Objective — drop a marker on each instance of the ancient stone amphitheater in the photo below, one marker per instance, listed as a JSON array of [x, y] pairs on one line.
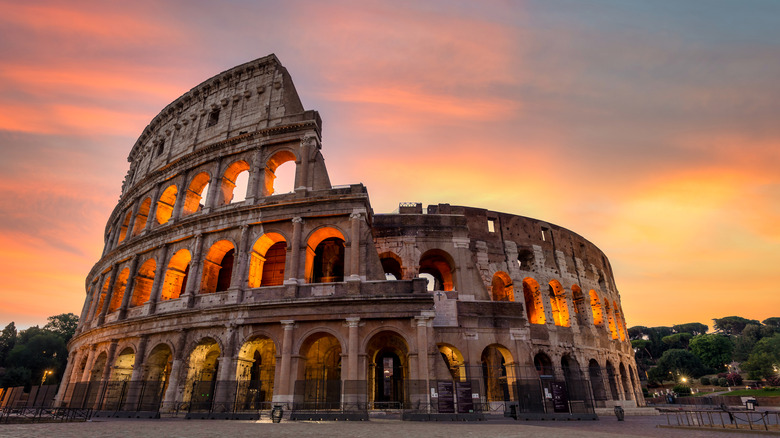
[[217, 295]]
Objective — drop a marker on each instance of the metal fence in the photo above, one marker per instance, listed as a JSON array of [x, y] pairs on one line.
[[724, 419]]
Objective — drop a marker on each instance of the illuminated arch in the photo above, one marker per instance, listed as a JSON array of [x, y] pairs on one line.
[[534, 306], [165, 204], [612, 328], [325, 256], [558, 304], [144, 279], [440, 265], [454, 361], [497, 373], [202, 370], [123, 228], [196, 193], [501, 287], [123, 365], [255, 371], [156, 375], [321, 371], [267, 260], [119, 290], [271, 166], [595, 307], [142, 216], [618, 321], [176, 275], [387, 355], [218, 267], [228, 183]]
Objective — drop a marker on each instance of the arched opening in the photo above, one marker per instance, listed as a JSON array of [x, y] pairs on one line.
[[230, 182], [176, 275], [119, 290], [266, 262], [502, 288], [144, 279], [619, 324], [596, 381], [123, 228], [525, 259], [195, 197], [497, 373], [611, 378], [579, 305], [454, 361], [544, 366], [388, 368], [98, 368], [625, 380], [101, 299], [157, 374], [611, 321], [279, 174], [218, 267], [319, 380], [325, 256], [123, 365], [391, 264], [142, 216], [633, 377], [166, 203], [202, 374], [255, 373], [575, 382], [439, 265], [558, 304], [534, 306], [595, 307]]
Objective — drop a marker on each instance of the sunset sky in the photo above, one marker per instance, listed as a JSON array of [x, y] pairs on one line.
[[651, 128]]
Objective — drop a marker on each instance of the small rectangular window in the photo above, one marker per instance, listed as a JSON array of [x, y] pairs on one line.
[[492, 225], [544, 234], [213, 118]]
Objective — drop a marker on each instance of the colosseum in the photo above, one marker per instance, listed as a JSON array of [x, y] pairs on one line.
[[219, 296]]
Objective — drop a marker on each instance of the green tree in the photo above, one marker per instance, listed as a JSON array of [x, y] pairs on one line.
[[714, 350], [677, 340], [41, 352], [773, 322], [732, 325], [765, 356], [7, 342], [676, 362], [63, 324], [694, 328]]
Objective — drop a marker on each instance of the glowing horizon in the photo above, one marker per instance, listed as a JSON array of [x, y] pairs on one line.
[[649, 130]]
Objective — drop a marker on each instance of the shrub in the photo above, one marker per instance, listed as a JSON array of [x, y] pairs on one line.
[[773, 381], [682, 389], [723, 375], [705, 380], [645, 393], [734, 379], [723, 382]]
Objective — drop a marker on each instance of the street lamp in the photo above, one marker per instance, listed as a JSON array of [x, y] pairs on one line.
[[46, 374]]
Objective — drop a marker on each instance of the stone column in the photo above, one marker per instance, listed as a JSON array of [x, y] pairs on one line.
[[302, 179], [136, 378], [255, 176], [181, 194], [296, 251], [284, 393], [240, 261], [150, 220], [90, 363], [193, 280], [133, 216], [352, 349], [95, 299], [422, 352], [159, 279], [128, 288], [110, 360], [169, 399], [66, 378], [109, 293], [85, 308], [354, 245], [214, 186], [227, 369]]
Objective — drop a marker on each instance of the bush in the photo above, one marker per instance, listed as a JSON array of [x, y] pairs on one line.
[[723, 382], [705, 380], [722, 375], [734, 379], [682, 389], [773, 381], [645, 393]]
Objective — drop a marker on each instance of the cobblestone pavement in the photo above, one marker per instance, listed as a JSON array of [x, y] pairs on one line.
[[174, 428]]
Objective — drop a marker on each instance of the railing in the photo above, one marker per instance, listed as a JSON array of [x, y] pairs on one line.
[[723, 419], [40, 414]]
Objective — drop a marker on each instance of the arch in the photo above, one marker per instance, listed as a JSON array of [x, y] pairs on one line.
[[611, 378], [218, 267], [203, 366], [123, 228], [534, 306], [618, 321], [156, 375], [633, 377], [98, 367], [595, 308], [596, 381], [119, 290], [142, 216], [228, 183], [624, 379], [165, 204], [267, 260], [325, 256], [392, 265], [454, 361], [102, 297], [497, 373], [579, 304], [612, 328], [255, 370], [558, 304], [144, 279], [123, 365], [388, 368], [270, 185], [501, 287], [439, 264], [176, 275], [319, 378], [575, 382], [544, 365], [196, 193]]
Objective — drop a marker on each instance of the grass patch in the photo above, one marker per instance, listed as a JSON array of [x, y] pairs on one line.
[[755, 393]]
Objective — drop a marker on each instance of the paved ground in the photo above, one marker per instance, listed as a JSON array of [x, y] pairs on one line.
[[174, 428]]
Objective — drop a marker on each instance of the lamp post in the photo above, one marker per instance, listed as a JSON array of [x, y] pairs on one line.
[[45, 374]]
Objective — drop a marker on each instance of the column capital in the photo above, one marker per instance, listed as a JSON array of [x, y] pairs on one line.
[[353, 321], [288, 324], [297, 220]]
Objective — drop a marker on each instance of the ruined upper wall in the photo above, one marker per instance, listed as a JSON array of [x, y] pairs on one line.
[[256, 95]]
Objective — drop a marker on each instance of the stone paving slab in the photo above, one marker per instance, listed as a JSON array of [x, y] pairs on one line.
[[174, 428]]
